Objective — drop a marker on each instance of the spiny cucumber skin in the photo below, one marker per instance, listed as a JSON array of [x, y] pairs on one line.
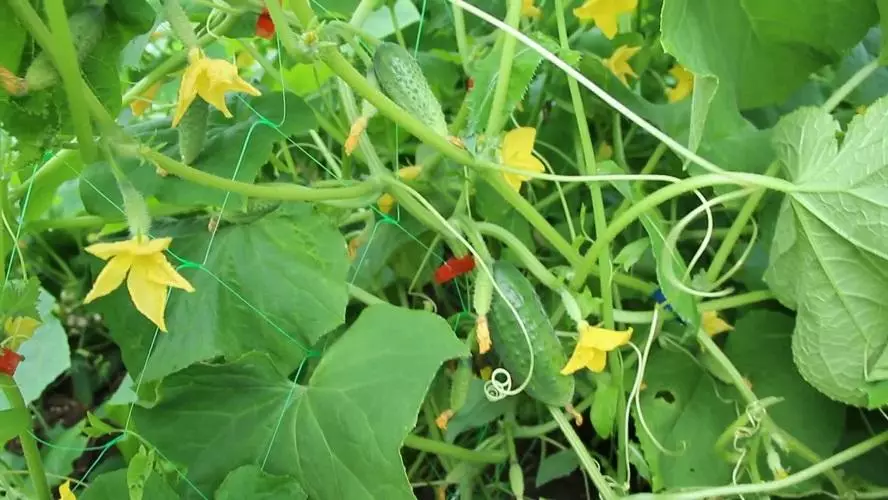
[[192, 130], [547, 385], [402, 80], [86, 30]]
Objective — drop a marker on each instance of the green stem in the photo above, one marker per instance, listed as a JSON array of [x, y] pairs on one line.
[[29, 445], [274, 191], [737, 227], [95, 221], [283, 29], [495, 121], [586, 460], [363, 11], [456, 452], [66, 62], [736, 301], [648, 168], [462, 44], [652, 200], [179, 22], [174, 61], [856, 79], [46, 171], [364, 296], [734, 491]]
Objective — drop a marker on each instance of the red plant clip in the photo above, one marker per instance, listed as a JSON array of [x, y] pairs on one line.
[[265, 25], [455, 266], [9, 361]]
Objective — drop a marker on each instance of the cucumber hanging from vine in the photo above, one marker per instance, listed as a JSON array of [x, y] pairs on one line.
[[192, 129], [402, 80]]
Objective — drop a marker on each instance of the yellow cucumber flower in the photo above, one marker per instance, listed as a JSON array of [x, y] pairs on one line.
[[605, 13], [592, 347], [684, 84], [387, 201], [65, 492], [517, 152], [209, 79], [712, 324], [618, 63], [150, 274], [141, 103], [528, 9], [19, 329]]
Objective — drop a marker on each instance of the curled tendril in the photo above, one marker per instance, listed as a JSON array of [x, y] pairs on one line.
[[496, 389]]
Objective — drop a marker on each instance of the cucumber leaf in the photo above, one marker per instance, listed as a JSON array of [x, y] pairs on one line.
[[829, 258]]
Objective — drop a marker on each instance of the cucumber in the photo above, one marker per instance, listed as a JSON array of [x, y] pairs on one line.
[[192, 130], [401, 79], [547, 384], [86, 30]]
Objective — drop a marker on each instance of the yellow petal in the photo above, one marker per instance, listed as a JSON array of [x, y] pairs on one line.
[[143, 101], [188, 87], [514, 180], [482, 335], [354, 135], [149, 297], [110, 278], [528, 9], [602, 338], [585, 357], [164, 273], [105, 251], [21, 326], [385, 203], [618, 62], [605, 13], [518, 143], [151, 247], [410, 173], [684, 84], [713, 324], [65, 491], [442, 419], [597, 361]]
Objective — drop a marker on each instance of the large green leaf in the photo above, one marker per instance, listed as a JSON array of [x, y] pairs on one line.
[[113, 486], [275, 285], [339, 436], [828, 256], [761, 50], [250, 482], [233, 150], [761, 348], [686, 410]]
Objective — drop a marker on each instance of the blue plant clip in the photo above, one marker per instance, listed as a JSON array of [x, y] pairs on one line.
[[661, 299]]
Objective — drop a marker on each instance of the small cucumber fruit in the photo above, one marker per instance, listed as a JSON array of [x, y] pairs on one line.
[[192, 130], [86, 31], [547, 384], [459, 384], [401, 79]]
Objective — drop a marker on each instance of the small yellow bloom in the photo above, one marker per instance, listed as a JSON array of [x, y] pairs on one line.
[[593, 346], [713, 324], [528, 9], [143, 101], [517, 152], [605, 13], [19, 329], [150, 274], [387, 201], [65, 491], [482, 334], [354, 135], [618, 63], [209, 79], [684, 84], [443, 419]]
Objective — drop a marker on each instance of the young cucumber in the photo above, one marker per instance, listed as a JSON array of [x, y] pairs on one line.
[[402, 80], [547, 384], [192, 130], [86, 30]]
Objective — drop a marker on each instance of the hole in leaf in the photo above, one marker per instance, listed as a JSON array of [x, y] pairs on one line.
[[665, 396]]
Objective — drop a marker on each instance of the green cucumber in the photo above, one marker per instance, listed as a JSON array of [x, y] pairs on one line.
[[401, 79], [192, 130], [86, 31], [547, 384]]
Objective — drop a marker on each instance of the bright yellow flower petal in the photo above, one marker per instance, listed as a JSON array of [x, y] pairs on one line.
[[19, 330], [148, 296], [684, 84], [385, 203], [410, 173], [713, 324], [65, 491], [605, 13], [163, 273], [105, 251], [602, 338], [154, 246], [110, 278], [585, 357], [210, 79], [618, 63], [528, 9], [517, 152]]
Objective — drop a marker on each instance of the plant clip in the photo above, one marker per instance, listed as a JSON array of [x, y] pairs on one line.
[[9, 361], [453, 267], [660, 297]]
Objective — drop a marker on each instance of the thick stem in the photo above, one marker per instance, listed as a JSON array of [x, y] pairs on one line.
[[856, 79], [495, 121], [29, 445], [66, 62], [455, 452]]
